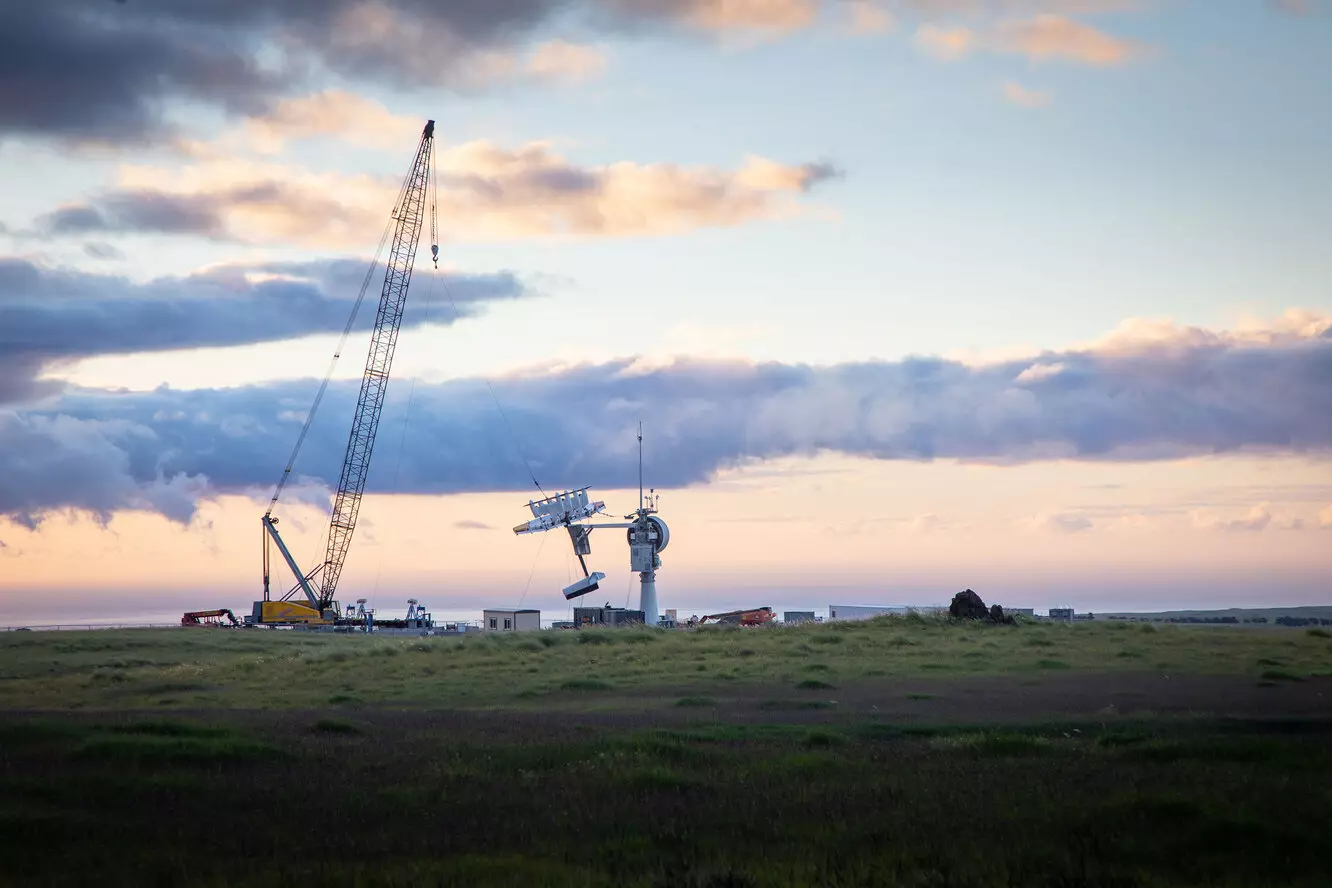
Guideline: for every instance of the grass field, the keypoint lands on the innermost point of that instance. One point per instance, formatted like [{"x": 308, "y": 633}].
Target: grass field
[
  {"x": 892, "y": 752},
  {"x": 255, "y": 669}
]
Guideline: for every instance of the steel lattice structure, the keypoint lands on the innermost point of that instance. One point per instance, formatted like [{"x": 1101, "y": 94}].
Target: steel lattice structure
[{"x": 374, "y": 384}]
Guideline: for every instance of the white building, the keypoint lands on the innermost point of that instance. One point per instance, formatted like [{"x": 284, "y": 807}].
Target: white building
[
  {"x": 510, "y": 619},
  {"x": 869, "y": 611}
]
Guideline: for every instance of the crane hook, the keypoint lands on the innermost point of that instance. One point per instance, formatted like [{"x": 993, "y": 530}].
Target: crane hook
[{"x": 434, "y": 254}]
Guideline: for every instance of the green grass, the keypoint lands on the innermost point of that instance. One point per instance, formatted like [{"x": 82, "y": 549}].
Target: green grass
[
  {"x": 696, "y": 701},
  {"x": 181, "y": 669},
  {"x": 1140, "y": 803},
  {"x": 1280, "y": 675},
  {"x": 528, "y": 760},
  {"x": 336, "y": 726},
  {"x": 585, "y": 684},
  {"x": 796, "y": 704}
]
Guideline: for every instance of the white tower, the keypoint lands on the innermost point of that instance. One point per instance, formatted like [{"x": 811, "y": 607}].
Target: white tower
[{"x": 647, "y": 534}]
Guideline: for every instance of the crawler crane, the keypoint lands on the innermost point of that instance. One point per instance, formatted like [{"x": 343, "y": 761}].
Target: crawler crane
[{"x": 320, "y": 584}]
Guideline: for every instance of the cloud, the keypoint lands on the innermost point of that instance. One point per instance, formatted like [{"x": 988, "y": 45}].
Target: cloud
[
  {"x": 946, "y": 44},
  {"x": 1292, "y": 7},
  {"x": 1064, "y": 522},
  {"x": 116, "y": 71},
  {"x": 772, "y": 16},
  {"x": 331, "y": 113},
  {"x": 99, "y": 250},
  {"x": 1042, "y": 38},
  {"x": 1040, "y": 371},
  {"x": 1162, "y": 334},
  {"x": 868, "y": 17},
  {"x": 1026, "y": 98},
  {"x": 1156, "y": 400},
  {"x": 1258, "y": 519},
  {"x": 561, "y": 60},
  {"x": 93, "y": 458},
  {"x": 1325, "y": 517},
  {"x": 49, "y": 315},
  {"x": 141, "y": 211},
  {"x": 990, "y": 8},
  {"x": 102, "y": 70},
  {"x": 485, "y": 192},
  {"x": 1057, "y": 37},
  {"x": 468, "y": 524}
]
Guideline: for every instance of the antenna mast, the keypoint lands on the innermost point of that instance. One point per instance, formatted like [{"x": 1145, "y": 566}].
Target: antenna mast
[{"x": 646, "y": 533}]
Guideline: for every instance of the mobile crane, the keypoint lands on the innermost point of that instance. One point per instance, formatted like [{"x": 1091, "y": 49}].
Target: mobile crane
[
  {"x": 209, "y": 617},
  {"x": 319, "y": 606},
  {"x": 759, "y": 616}
]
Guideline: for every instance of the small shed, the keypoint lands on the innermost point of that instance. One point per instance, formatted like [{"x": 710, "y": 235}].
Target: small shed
[{"x": 510, "y": 619}]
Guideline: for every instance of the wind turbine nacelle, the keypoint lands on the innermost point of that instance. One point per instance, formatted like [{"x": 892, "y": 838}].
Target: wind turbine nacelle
[
  {"x": 560, "y": 510},
  {"x": 585, "y": 585}
]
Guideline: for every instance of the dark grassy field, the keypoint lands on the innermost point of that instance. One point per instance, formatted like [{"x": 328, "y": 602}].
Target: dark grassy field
[
  {"x": 645, "y": 770},
  {"x": 409, "y": 799}
]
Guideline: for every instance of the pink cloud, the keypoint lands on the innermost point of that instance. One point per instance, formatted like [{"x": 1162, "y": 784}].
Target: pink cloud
[
  {"x": 1026, "y": 98},
  {"x": 1042, "y": 38}
]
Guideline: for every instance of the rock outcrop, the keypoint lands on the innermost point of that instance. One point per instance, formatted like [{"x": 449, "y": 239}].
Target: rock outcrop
[{"x": 967, "y": 605}]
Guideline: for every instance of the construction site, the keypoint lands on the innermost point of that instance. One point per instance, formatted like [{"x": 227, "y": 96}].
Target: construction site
[{"x": 311, "y": 602}]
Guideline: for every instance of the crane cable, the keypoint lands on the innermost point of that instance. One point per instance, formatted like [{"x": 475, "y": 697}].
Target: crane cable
[
  {"x": 517, "y": 445},
  {"x": 332, "y": 364}
]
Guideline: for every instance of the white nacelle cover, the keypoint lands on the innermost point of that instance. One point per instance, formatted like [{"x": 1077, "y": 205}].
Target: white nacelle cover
[{"x": 556, "y": 511}]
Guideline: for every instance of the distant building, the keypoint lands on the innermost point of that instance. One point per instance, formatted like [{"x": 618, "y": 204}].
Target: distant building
[
  {"x": 798, "y": 617},
  {"x": 1020, "y": 611},
  {"x": 606, "y": 616},
  {"x": 510, "y": 620},
  {"x": 863, "y": 611},
  {"x": 1064, "y": 614},
  {"x": 869, "y": 611}
]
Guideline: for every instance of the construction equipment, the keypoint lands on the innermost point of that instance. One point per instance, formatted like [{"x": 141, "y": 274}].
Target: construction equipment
[
  {"x": 319, "y": 606},
  {"x": 759, "y": 616},
  {"x": 209, "y": 617}
]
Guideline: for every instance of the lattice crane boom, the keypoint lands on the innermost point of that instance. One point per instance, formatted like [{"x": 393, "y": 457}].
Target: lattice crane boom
[{"x": 379, "y": 361}]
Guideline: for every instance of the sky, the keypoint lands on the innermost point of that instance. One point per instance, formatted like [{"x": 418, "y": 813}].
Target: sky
[{"x": 1031, "y": 297}]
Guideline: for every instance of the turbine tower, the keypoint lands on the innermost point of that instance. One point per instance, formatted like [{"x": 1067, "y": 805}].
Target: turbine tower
[{"x": 647, "y": 535}]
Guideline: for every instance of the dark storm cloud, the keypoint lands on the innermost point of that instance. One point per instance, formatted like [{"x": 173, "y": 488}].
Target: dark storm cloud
[
  {"x": 49, "y": 315},
  {"x": 136, "y": 212},
  {"x": 98, "y": 69},
  {"x": 156, "y": 449}
]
